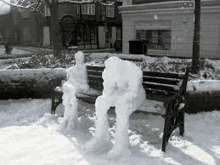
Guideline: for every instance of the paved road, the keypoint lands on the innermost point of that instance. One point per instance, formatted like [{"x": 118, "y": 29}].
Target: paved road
[
  {"x": 34, "y": 49},
  {"x": 21, "y": 51}
]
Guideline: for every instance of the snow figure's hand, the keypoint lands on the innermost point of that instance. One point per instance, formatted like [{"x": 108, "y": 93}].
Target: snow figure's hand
[
  {"x": 126, "y": 99},
  {"x": 65, "y": 87},
  {"x": 102, "y": 104},
  {"x": 110, "y": 88}
]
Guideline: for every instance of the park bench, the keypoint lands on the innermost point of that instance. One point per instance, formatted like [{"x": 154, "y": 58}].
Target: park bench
[{"x": 169, "y": 88}]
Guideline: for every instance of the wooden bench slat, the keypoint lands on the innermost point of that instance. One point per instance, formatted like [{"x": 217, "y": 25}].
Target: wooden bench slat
[
  {"x": 161, "y": 80},
  {"x": 95, "y": 73},
  {"x": 95, "y": 78},
  {"x": 159, "y": 74},
  {"x": 95, "y": 67},
  {"x": 160, "y": 87},
  {"x": 96, "y": 85}
]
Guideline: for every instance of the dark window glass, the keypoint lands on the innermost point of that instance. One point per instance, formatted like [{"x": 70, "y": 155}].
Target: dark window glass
[{"x": 158, "y": 39}]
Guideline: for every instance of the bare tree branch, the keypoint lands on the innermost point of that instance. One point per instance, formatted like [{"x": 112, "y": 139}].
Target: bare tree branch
[
  {"x": 35, "y": 4},
  {"x": 18, "y": 5}
]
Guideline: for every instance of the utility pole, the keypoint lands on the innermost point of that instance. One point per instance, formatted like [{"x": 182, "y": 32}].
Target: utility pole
[{"x": 196, "y": 38}]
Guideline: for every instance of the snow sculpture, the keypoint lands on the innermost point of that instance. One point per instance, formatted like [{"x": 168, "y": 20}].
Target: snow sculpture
[
  {"x": 76, "y": 82},
  {"x": 122, "y": 89}
]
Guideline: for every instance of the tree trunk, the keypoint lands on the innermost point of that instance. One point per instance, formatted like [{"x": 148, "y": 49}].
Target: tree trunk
[
  {"x": 55, "y": 30},
  {"x": 29, "y": 83},
  {"x": 196, "y": 38}
]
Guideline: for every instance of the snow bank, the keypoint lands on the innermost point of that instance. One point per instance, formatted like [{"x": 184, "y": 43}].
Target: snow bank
[
  {"x": 24, "y": 141},
  {"x": 23, "y": 111}
]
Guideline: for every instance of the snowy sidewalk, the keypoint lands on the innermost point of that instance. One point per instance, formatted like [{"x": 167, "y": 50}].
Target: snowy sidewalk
[
  {"x": 16, "y": 53},
  {"x": 29, "y": 136}
]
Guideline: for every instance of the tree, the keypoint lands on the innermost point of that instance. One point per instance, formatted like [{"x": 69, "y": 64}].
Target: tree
[
  {"x": 196, "y": 38},
  {"x": 38, "y": 5}
]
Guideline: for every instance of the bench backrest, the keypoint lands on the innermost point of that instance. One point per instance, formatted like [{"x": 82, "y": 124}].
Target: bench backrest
[{"x": 156, "y": 84}]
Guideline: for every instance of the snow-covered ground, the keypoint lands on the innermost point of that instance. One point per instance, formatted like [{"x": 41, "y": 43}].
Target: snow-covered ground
[{"x": 31, "y": 135}]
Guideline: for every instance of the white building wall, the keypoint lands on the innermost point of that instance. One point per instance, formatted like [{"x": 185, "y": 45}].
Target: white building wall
[
  {"x": 182, "y": 27},
  {"x": 127, "y": 34},
  {"x": 210, "y": 35}
]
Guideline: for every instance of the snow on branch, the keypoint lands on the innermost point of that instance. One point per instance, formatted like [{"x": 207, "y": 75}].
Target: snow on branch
[
  {"x": 18, "y": 5},
  {"x": 85, "y": 2}
]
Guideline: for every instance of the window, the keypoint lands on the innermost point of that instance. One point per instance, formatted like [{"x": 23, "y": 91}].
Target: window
[
  {"x": 93, "y": 35},
  {"x": 83, "y": 7},
  {"x": 25, "y": 13},
  {"x": 87, "y": 35},
  {"x": 88, "y": 9},
  {"x": 158, "y": 39},
  {"x": 78, "y": 9},
  {"x": 26, "y": 33},
  {"x": 110, "y": 12},
  {"x": 92, "y": 9},
  {"x": 46, "y": 11}
]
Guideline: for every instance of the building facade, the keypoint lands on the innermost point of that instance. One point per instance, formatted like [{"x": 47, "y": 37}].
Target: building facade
[
  {"x": 169, "y": 26},
  {"x": 5, "y": 26},
  {"x": 26, "y": 27},
  {"x": 96, "y": 25}
]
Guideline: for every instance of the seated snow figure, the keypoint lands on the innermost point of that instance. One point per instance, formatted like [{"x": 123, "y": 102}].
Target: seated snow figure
[
  {"x": 122, "y": 89},
  {"x": 76, "y": 82}
]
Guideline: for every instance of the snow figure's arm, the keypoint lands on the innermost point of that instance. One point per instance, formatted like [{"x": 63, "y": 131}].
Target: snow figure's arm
[
  {"x": 109, "y": 88},
  {"x": 77, "y": 76},
  {"x": 82, "y": 82},
  {"x": 135, "y": 82},
  {"x": 109, "y": 84}
]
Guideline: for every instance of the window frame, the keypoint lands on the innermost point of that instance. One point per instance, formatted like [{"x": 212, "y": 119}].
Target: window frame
[
  {"x": 110, "y": 11},
  {"x": 47, "y": 11},
  {"x": 88, "y": 9},
  {"x": 25, "y": 13},
  {"x": 158, "y": 39}
]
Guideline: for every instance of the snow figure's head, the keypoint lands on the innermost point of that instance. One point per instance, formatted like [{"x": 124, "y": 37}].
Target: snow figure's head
[
  {"x": 111, "y": 61},
  {"x": 112, "y": 66},
  {"x": 79, "y": 56}
]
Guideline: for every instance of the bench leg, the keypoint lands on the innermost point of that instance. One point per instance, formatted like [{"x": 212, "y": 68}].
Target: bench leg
[
  {"x": 171, "y": 123},
  {"x": 165, "y": 134},
  {"x": 53, "y": 105},
  {"x": 181, "y": 124}
]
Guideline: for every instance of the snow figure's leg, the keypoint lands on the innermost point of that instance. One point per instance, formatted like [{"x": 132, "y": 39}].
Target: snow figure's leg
[
  {"x": 70, "y": 103},
  {"x": 101, "y": 138},
  {"x": 73, "y": 119},
  {"x": 121, "y": 146}
]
